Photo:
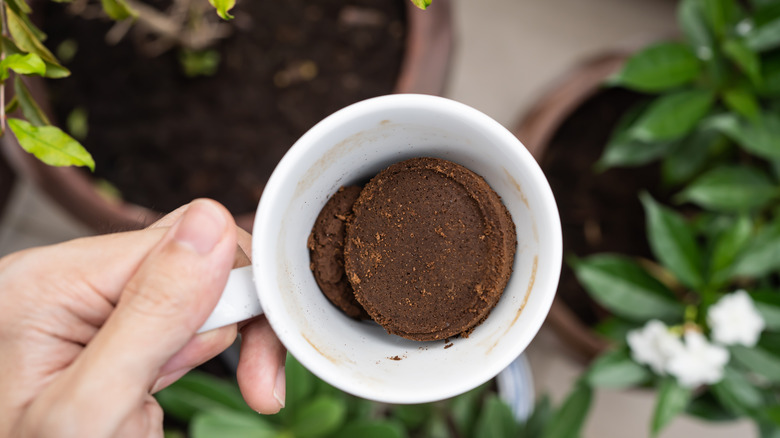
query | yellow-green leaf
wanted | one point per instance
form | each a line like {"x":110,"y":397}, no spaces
{"x":422,"y":4}
{"x":53,"y":70}
{"x":25,"y":38}
{"x":223,"y":8}
{"x":30,"y":64}
{"x":50,"y":145}
{"x":29,"y":106}
{"x":118,"y":9}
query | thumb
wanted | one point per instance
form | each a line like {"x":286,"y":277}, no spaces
{"x":159,"y":310}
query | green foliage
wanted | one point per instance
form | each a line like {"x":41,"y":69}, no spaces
{"x":672,"y":400}
{"x":616,"y":370}
{"x":50,"y":145}
{"x":569,"y":419}
{"x":658,"y":68}
{"x":118,"y":9}
{"x":422,"y":4}
{"x":223,"y":7}
{"x":199,"y":63}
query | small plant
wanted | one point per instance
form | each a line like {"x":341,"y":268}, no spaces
{"x":209,"y":407}
{"x":701,"y":322}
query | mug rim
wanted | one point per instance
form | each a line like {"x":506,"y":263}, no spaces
{"x":271,"y":198}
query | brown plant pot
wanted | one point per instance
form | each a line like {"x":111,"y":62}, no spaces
{"x":423,"y":69}
{"x":538,"y":130}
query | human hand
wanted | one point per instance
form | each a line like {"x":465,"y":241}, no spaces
{"x":90,"y":328}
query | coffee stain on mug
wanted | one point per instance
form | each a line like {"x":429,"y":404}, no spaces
{"x":531,"y":282}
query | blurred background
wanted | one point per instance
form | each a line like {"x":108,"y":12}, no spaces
{"x":507,"y":54}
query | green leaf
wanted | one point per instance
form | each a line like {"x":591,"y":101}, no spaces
{"x":223,"y":6}
{"x":765,"y":37}
{"x":759,"y":361}
{"x":745,"y":58}
{"x":692,"y":22}
{"x":30,"y":64}
{"x":706,"y":407}
{"x":768,"y":305}
{"x":672,"y":116}
{"x":727,"y":248}
{"x":613,"y":328}
{"x":737,"y":394}
{"x":742,"y":101}
{"x":539,"y":419}
{"x":22,"y":9}
{"x":320,"y":417}
{"x":53,"y":71}
{"x":720,"y":14}
{"x":436,"y":427}
{"x":422,"y":4}
{"x":231,"y":424}
{"x":50,"y":145}
{"x":412,"y":416}
{"x":26,"y":39}
{"x":569,"y":419}
{"x":758,"y":137}
{"x":761,"y":256}
{"x":118,"y":9}
{"x":623,"y":287}
{"x":690,"y":155}
{"x":496,"y":420}
{"x":465,"y":409}
{"x":672,"y":400}
{"x":300,"y":382}
{"x":30,"y":108}
{"x":658,"y":68}
{"x":197,"y":392}
{"x":773,"y":413}
{"x":730,"y":189}
{"x":616,"y":369}
{"x":770,"y":72}
{"x":371,"y":428}
{"x":673,"y":243}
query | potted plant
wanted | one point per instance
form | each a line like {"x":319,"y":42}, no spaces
{"x":696,"y":316}
{"x":259,"y":121}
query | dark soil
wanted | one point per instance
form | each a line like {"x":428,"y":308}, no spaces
{"x":600,"y":212}
{"x":163,"y":139}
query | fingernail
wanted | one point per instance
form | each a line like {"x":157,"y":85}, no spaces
{"x":280,"y":389}
{"x":201,"y":227}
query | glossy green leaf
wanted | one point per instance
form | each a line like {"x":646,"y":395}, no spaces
{"x":20,"y":7}
{"x":422,"y":4}
{"x":731,"y":189}
{"x":622,"y":150}
{"x":465,"y":409}
{"x":693,"y":24}
{"x":770,"y":73}
{"x":737,"y":394}
{"x":765,"y":37}
{"x":659,"y":68}
{"x":320,"y":417}
{"x":616,"y":369}
{"x":690,"y":155}
{"x":567,"y":422}
{"x":673,"y":242}
{"x":759,"y":361}
{"x":223,"y":8}
{"x":30,"y":108}
{"x":672,"y":116}
{"x":50,"y":145}
{"x":727,"y":248}
{"x":496,"y":419}
{"x":742,"y":101}
{"x":672,"y":401}
{"x":759,"y":137}
{"x":768,"y":305}
{"x":25,"y":38}
{"x":539,"y":419}
{"x":761,"y":256}
{"x":22,"y":10}
{"x":746,"y":59}
{"x":198,"y":392}
{"x":53,"y":70}
{"x":30,"y":64}
{"x":300,"y":382}
{"x":118,"y":9}
{"x":706,"y":407}
{"x":720,"y":14}
{"x":371,"y":428}
{"x":226,"y":423}
{"x":623,"y":287}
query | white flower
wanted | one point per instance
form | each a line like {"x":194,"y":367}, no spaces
{"x":735,"y":320}
{"x":654,"y":345}
{"x":699,"y":362}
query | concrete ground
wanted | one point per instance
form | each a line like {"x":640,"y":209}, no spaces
{"x":509,"y":52}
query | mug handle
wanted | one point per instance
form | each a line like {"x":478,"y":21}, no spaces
{"x":238,"y":301}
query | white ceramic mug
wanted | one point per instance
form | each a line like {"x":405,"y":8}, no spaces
{"x":351,"y":146}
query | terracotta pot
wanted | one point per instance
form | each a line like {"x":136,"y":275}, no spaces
{"x":423,"y":70}
{"x":536,"y":130}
